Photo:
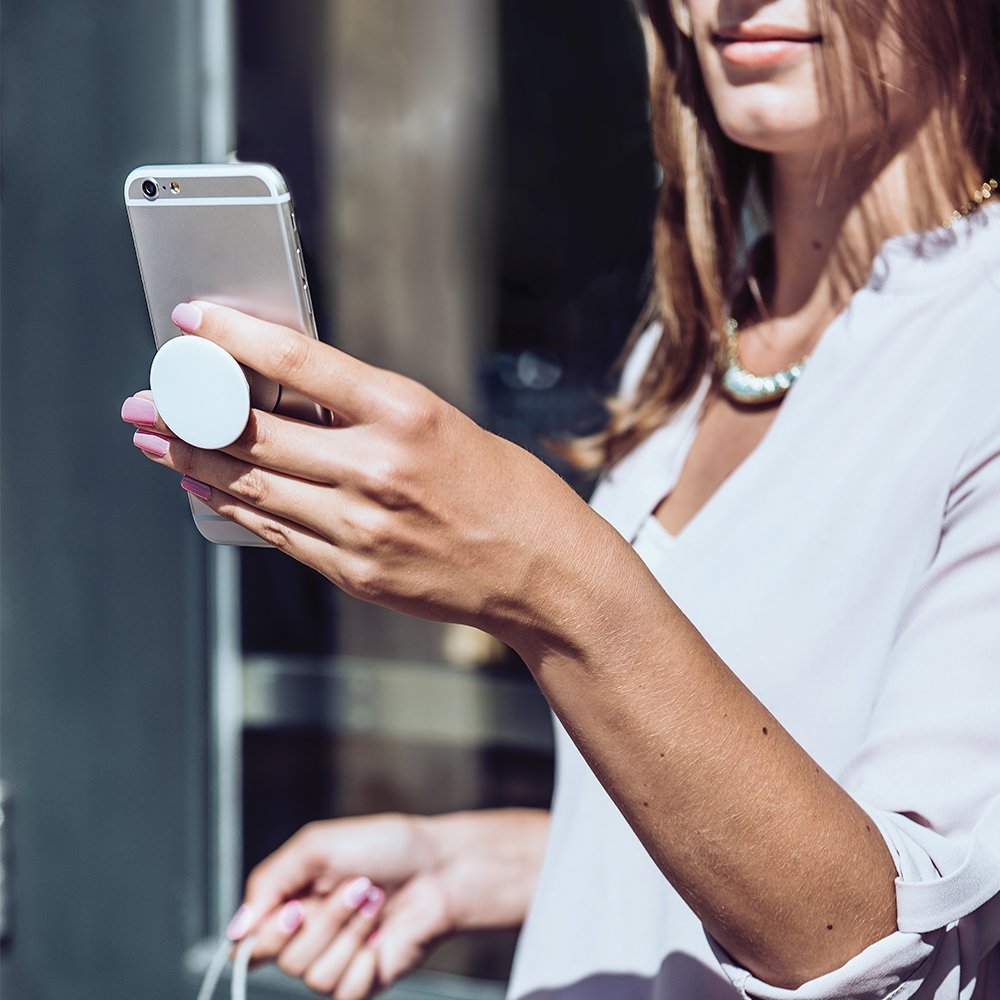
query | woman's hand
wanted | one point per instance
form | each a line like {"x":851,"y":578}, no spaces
{"x":351,"y":905}
{"x":404,"y":501}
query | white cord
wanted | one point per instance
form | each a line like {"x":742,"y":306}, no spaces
{"x":241,"y":963}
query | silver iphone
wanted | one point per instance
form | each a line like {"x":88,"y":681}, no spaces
{"x":225,"y":233}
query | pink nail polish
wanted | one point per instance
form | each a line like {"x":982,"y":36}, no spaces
{"x":290,"y":919}
{"x":138,"y":411}
{"x":151,"y":443}
{"x":357,"y":892}
{"x":195,"y":486}
{"x":242,"y":922}
{"x":187,"y":316}
{"x":376,"y":897}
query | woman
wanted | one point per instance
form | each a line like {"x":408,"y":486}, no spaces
{"x":772,"y":645}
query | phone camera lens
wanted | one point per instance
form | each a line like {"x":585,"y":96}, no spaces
{"x":150,"y":189}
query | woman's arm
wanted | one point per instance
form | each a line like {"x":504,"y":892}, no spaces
{"x":431,"y":876}
{"x":783,"y":868}
{"x":407,"y":503}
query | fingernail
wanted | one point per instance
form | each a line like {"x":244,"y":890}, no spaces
{"x":373,"y":937}
{"x":195,"y":486}
{"x":290,"y":919}
{"x":187,"y":317}
{"x":376,"y":897}
{"x":240,"y":924}
{"x":151,"y":443}
{"x":136,"y":410}
{"x":357,"y":892}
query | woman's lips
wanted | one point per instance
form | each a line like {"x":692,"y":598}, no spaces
{"x":761,"y":45}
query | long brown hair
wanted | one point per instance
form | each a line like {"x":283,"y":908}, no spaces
{"x":697,"y":232}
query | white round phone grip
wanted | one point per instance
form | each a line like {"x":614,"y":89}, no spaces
{"x":200,"y":391}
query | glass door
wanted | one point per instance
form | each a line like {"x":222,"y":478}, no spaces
{"x":444,"y":157}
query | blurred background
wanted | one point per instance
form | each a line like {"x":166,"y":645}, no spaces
{"x":474,"y":187}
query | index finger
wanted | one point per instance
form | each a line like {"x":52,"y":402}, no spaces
{"x":335,"y":380}
{"x":290,"y":871}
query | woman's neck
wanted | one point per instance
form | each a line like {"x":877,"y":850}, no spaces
{"x":828,"y":225}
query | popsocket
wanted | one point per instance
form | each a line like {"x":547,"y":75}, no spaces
{"x":200,"y":391}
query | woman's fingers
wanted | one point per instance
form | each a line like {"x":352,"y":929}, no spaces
{"x":326,"y":974}
{"x":333,"y":379}
{"x":270,"y":440}
{"x":141,"y":411}
{"x":296,"y":868}
{"x":327,"y":942}
{"x":273,"y":933}
{"x":331,"y":933}
{"x":359,"y":981}
{"x":288,"y":498}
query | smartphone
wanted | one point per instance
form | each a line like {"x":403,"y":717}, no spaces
{"x":225,"y":233}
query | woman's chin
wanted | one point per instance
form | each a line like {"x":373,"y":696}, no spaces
{"x":777,"y":134}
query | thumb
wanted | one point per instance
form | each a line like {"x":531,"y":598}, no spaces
{"x":285,"y":874}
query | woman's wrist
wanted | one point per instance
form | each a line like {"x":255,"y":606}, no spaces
{"x":487,"y":863}
{"x":587,"y":585}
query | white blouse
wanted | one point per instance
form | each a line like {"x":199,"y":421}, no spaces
{"x":849,"y":573}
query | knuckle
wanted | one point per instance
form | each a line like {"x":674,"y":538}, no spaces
{"x":375,"y":532}
{"x":314,"y":839}
{"x":217,"y":323}
{"x":387,"y":478}
{"x":251,"y":486}
{"x":366,"y":580}
{"x":185,"y":458}
{"x":276,"y":533}
{"x":311,"y":833}
{"x":290,"y":966}
{"x":289,"y":355}
{"x":415,"y":409}
{"x":256,"y":438}
{"x":320,"y":982}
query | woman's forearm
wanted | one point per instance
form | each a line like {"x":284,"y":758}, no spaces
{"x":784,"y":869}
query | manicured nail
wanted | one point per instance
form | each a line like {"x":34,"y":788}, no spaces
{"x":136,"y":410}
{"x":242,"y":922}
{"x":201,"y":490}
{"x":187,"y":317}
{"x":376,"y":897}
{"x":290,"y":919}
{"x":151,"y":443}
{"x":357,"y":892}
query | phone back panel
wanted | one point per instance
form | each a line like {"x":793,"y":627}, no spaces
{"x":225,"y":234}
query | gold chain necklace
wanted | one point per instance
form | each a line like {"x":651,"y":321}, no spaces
{"x":750,"y":389}
{"x":982,"y":193}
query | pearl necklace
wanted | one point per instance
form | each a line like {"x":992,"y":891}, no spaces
{"x":745,"y":387}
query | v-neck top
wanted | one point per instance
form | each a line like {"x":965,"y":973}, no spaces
{"x":653,"y":542}
{"x":848,"y":571}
